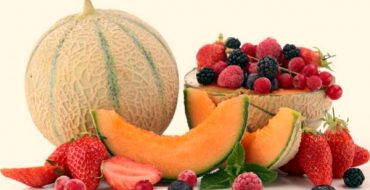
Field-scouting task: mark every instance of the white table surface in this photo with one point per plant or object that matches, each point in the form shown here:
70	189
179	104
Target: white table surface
338	27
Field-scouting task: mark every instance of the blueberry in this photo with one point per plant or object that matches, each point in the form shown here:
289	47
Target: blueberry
323	187
353	177
250	81
274	84
179	185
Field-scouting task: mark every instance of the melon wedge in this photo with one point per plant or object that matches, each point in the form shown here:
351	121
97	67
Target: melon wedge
198	106
276	143
201	149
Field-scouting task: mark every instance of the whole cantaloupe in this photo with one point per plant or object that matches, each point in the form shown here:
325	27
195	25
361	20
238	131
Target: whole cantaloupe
100	59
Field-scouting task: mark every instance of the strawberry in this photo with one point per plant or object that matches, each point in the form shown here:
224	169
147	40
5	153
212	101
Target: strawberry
292	167
315	57
59	157
341	144
315	158
210	54
33	177
361	156
122	173
84	157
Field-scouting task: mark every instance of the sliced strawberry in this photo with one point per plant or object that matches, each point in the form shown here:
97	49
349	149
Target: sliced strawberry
122	173
361	156
34	177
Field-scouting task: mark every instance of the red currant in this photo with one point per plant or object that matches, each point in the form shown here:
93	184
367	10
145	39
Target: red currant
334	92
249	49
327	78
60	182
74	184
189	177
310	70
262	85
296	64
285	81
299	82
313	83
143	185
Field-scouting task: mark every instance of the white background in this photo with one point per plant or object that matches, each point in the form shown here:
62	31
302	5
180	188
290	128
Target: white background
340	27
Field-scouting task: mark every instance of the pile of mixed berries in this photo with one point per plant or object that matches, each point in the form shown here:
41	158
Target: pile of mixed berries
265	67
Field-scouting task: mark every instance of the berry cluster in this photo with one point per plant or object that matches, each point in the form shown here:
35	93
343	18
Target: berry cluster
265	67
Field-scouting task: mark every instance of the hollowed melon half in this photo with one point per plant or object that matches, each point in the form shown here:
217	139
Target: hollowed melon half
198	106
201	149
276	143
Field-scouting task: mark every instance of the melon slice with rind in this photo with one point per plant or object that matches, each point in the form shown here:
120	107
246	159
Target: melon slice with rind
201	149
277	143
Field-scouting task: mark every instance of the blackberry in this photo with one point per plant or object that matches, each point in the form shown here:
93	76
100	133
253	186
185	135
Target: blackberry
206	76
179	185
268	67
290	51
237	57
323	187
233	43
353	177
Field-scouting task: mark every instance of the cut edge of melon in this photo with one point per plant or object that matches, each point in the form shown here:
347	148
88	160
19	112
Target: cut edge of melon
217	163
292	146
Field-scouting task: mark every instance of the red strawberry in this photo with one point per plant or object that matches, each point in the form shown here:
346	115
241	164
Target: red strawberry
210	54
84	158
59	157
361	156
122	173
34	177
315	57
292	167
315	158
341	144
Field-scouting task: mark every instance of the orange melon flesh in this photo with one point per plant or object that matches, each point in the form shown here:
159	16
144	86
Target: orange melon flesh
277	142
200	149
198	106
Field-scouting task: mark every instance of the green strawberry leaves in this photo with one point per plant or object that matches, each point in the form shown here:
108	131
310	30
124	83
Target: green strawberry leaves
235	165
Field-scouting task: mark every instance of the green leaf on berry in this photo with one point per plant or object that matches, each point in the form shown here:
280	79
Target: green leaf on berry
216	180
235	161
266	176
324	59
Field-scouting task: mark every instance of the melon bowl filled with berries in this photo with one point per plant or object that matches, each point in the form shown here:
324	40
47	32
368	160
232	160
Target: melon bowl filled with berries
271	75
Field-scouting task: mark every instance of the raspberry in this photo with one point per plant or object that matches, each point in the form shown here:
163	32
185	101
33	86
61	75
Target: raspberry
327	78
285	81
232	43
143	185
237	57
206	76
250	81
219	67
189	177
231	77
210	54
299	82
253	68
262	85
334	92
270	47
290	51
310	70
268	67
247	181
353	177
249	49
313	83
296	64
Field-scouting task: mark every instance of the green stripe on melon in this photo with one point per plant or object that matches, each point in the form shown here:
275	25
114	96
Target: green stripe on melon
100	66
200	149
